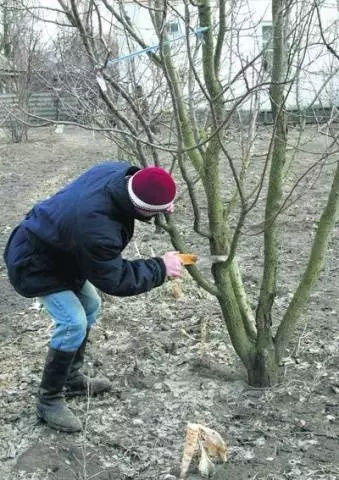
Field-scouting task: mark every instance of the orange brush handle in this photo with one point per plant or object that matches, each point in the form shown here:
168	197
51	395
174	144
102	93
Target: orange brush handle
188	258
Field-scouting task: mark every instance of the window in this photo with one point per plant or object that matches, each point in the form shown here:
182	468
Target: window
267	32
173	29
267	45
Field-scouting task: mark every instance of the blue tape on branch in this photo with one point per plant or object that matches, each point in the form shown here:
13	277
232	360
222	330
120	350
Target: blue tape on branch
198	32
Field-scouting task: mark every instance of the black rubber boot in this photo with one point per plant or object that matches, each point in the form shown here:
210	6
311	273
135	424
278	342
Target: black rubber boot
79	384
51	406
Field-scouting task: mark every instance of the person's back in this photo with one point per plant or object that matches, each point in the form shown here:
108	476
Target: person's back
54	219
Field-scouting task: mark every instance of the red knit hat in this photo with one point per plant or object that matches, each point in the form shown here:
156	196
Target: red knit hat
152	189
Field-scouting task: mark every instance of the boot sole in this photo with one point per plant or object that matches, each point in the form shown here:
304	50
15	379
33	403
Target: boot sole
83	393
78	393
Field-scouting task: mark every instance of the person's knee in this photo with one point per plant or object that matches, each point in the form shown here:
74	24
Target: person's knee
76	333
94	309
69	337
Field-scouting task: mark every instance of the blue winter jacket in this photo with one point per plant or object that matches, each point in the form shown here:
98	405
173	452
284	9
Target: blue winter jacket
78	234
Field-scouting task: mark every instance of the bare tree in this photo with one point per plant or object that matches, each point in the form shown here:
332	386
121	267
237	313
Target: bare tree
24	53
200	107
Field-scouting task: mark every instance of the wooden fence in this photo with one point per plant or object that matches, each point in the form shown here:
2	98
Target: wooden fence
49	106
45	105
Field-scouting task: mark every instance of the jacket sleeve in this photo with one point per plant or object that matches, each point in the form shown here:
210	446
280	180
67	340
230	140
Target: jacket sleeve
99	245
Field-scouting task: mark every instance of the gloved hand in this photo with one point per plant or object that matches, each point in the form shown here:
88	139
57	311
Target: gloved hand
173	264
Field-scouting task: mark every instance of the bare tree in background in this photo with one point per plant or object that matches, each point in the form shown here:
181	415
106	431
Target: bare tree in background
23	52
200	108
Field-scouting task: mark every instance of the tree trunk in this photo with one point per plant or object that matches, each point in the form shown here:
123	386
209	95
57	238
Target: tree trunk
258	356
265	363
263	372
263	368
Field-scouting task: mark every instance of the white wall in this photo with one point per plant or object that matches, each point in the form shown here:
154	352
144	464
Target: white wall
243	42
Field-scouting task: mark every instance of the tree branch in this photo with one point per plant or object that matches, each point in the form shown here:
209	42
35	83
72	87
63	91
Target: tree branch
314	266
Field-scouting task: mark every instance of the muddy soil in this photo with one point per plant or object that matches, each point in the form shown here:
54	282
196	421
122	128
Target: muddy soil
168	356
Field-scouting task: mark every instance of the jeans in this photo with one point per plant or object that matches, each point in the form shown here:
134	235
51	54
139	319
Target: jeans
73	315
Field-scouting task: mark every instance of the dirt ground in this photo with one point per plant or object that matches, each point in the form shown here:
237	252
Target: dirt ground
165	371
